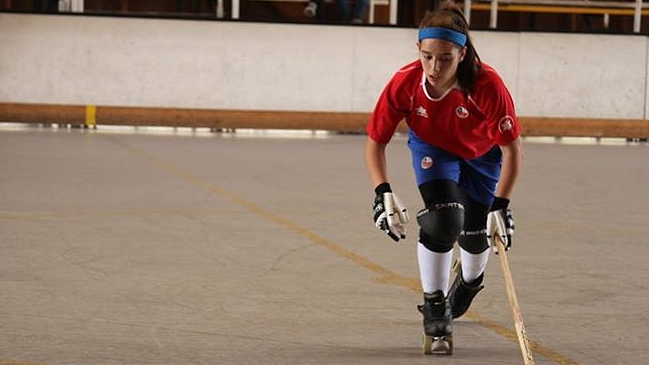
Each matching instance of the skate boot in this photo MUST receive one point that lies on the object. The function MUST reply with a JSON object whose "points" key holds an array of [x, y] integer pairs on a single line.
{"points": [[461, 294], [438, 324]]}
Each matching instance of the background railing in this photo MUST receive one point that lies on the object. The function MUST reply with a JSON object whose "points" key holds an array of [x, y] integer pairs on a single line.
{"points": [[610, 16], [236, 6], [604, 8]]}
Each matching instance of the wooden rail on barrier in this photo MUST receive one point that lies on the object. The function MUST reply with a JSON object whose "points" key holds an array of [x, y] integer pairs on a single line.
{"points": [[636, 8], [83, 115], [558, 9]]}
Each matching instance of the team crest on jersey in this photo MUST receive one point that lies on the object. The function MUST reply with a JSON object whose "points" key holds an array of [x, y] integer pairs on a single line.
{"points": [[462, 112], [506, 124], [421, 111], [426, 162]]}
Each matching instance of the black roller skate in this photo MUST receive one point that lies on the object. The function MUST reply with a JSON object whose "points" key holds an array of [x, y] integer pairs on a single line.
{"points": [[438, 324], [461, 294]]}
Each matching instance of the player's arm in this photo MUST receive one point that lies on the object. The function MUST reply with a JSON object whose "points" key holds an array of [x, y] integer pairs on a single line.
{"points": [[500, 107], [500, 220], [375, 162], [511, 168], [389, 212]]}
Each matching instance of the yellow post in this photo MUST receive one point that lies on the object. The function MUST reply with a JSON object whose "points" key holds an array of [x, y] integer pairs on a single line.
{"points": [[91, 116]]}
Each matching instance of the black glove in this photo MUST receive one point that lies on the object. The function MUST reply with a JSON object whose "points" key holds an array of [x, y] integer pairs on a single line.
{"points": [[500, 221], [389, 212]]}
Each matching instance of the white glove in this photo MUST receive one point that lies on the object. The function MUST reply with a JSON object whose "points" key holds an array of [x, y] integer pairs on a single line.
{"points": [[500, 223], [390, 215]]}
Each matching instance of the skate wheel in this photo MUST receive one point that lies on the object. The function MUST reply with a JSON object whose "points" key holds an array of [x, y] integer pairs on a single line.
{"points": [[437, 345]]}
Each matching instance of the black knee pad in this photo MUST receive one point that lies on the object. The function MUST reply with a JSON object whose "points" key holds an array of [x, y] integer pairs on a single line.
{"points": [[474, 242], [474, 236], [441, 225], [433, 245]]}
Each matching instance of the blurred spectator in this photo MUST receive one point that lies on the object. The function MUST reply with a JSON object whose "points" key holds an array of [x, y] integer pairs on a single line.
{"points": [[46, 6], [311, 9], [355, 15], [348, 14]]}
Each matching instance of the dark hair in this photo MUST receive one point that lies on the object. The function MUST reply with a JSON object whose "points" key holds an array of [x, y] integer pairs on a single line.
{"points": [[449, 16]]}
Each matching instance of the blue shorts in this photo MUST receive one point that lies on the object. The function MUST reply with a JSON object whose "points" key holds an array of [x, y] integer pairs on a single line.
{"points": [[478, 177]]}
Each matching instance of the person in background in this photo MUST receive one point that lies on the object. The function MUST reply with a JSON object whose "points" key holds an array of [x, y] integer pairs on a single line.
{"points": [[311, 8], [349, 14], [467, 155], [47, 6]]}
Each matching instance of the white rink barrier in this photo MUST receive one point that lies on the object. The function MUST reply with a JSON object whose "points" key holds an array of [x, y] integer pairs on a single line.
{"points": [[77, 59]]}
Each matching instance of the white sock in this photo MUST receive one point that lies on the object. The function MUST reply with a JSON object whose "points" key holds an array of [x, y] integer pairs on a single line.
{"points": [[434, 269], [473, 265]]}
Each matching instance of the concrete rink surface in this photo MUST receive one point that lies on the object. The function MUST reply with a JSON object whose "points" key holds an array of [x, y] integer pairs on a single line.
{"points": [[259, 248]]}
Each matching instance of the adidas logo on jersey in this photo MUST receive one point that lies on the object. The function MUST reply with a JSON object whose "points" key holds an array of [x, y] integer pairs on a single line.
{"points": [[421, 111]]}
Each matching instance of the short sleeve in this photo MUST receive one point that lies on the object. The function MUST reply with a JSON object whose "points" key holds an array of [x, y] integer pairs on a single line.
{"points": [[392, 107], [498, 105]]}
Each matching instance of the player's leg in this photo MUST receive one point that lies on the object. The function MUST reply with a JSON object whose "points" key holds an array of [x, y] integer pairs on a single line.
{"points": [[478, 181], [438, 324], [474, 255], [437, 173], [440, 224], [435, 258]]}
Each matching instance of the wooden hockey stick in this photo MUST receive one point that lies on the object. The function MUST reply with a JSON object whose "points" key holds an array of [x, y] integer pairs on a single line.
{"points": [[513, 304]]}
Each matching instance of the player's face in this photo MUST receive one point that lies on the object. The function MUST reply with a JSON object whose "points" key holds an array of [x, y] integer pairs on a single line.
{"points": [[440, 59]]}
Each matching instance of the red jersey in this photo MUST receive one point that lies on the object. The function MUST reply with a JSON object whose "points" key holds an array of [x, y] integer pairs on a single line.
{"points": [[466, 125]]}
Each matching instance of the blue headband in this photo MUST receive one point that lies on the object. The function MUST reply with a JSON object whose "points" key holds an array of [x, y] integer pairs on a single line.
{"points": [[443, 33]]}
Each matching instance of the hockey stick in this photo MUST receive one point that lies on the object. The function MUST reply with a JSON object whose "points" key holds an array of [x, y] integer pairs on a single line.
{"points": [[513, 303]]}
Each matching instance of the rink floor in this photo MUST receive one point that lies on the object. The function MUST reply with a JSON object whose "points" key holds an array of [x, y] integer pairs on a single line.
{"points": [[123, 246]]}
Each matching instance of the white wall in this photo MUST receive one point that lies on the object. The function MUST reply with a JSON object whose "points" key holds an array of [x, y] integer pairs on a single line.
{"points": [[589, 76], [76, 59]]}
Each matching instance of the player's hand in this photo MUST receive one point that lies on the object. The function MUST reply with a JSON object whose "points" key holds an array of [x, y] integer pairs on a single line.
{"points": [[500, 222], [390, 214]]}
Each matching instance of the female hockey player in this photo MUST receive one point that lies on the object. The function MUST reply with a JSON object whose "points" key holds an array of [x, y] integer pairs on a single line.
{"points": [[467, 156]]}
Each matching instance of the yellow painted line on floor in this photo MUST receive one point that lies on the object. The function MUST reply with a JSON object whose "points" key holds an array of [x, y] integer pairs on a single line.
{"points": [[82, 216], [384, 275], [10, 362]]}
